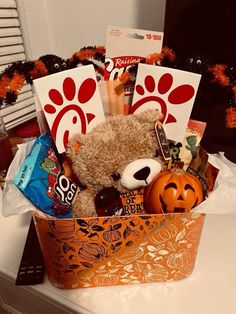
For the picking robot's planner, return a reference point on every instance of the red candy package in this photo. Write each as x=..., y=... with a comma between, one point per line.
x=42, y=181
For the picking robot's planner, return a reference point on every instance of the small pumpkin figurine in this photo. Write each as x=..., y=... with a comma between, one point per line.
x=173, y=191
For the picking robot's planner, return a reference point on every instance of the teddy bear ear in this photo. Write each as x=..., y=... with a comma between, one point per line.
x=74, y=145
x=149, y=115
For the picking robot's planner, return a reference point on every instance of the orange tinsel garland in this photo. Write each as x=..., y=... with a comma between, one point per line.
x=154, y=58
x=220, y=77
x=39, y=70
x=218, y=71
x=16, y=84
x=89, y=53
x=169, y=54
x=231, y=117
x=4, y=83
x=14, y=76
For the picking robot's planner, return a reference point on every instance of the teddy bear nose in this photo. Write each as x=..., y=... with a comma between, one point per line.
x=142, y=174
x=139, y=173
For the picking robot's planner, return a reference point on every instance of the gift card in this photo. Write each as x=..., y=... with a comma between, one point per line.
x=71, y=103
x=171, y=91
x=126, y=47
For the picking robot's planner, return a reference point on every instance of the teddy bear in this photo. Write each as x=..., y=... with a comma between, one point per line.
x=122, y=153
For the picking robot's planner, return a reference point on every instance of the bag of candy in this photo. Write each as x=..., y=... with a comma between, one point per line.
x=41, y=180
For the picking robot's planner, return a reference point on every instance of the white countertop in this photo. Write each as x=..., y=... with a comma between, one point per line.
x=211, y=288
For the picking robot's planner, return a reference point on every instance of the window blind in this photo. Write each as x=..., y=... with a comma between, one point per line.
x=11, y=50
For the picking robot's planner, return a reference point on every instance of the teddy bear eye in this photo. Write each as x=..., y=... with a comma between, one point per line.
x=115, y=176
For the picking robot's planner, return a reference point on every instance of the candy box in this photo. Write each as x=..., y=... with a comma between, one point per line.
x=126, y=47
x=107, y=251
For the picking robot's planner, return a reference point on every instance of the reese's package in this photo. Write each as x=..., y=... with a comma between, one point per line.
x=203, y=170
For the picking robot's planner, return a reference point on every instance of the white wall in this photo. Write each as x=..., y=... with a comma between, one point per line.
x=62, y=27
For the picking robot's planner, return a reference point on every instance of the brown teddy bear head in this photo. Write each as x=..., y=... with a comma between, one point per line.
x=121, y=152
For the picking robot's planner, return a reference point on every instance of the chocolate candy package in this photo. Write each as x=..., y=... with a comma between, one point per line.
x=41, y=180
x=203, y=170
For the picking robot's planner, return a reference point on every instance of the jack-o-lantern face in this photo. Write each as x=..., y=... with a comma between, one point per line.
x=173, y=191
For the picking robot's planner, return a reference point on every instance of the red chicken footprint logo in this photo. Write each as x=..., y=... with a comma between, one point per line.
x=151, y=92
x=66, y=106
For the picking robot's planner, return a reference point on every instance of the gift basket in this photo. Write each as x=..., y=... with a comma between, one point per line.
x=116, y=178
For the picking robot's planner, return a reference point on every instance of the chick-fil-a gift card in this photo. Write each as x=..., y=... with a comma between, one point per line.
x=71, y=103
x=169, y=90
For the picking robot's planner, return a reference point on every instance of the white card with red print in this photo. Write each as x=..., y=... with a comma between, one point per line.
x=171, y=91
x=71, y=103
